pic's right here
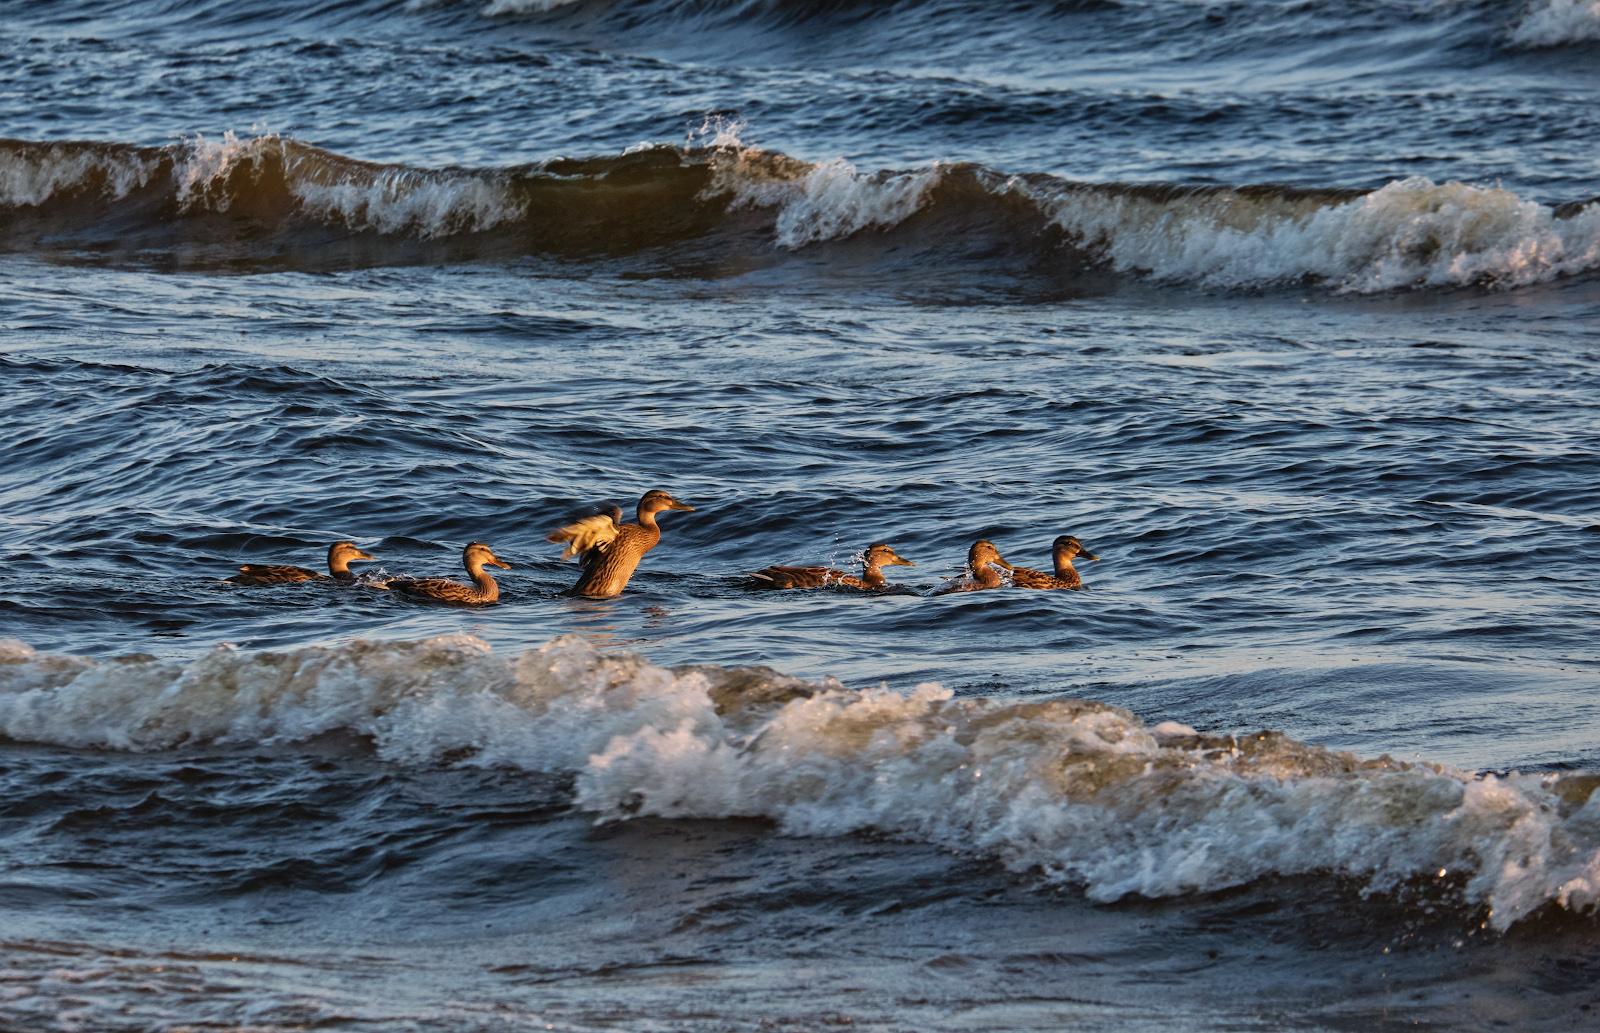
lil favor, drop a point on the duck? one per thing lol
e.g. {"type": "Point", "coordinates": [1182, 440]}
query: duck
{"type": "Point", "coordinates": [1062, 550]}
{"type": "Point", "coordinates": [878, 555]}
{"type": "Point", "coordinates": [340, 556]}
{"type": "Point", "coordinates": [982, 558]}
{"type": "Point", "coordinates": [610, 550]}
{"type": "Point", "coordinates": [481, 592]}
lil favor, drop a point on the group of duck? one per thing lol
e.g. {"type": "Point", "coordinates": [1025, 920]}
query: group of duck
{"type": "Point", "coordinates": [609, 551]}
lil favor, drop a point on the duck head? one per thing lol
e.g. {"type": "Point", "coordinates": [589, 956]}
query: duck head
{"type": "Point", "coordinates": [881, 555]}
{"type": "Point", "coordinates": [342, 554]}
{"type": "Point", "coordinates": [984, 553]}
{"type": "Point", "coordinates": [656, 500]}
{"type": "Point", "coordinates": [477, 555]}
{"type": "Point", "coordinates": [1066, 547]}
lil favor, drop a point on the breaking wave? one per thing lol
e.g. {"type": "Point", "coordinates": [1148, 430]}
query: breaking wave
{"type": "Point", "coordinates": [1081, 791]}
{"type": "Point", "coordinates": [276, 200]}
{"type": "Point", "coordinates": [1554, 23]}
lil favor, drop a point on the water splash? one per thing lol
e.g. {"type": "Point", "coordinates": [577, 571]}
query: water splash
{"type": "Point", "coordinates": [1081, 791]}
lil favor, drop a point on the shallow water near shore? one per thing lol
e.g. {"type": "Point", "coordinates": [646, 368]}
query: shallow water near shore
{"type": "Point", "coordinates": [1287, 312]}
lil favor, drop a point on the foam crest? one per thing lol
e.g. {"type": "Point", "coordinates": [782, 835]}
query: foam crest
{"type": "Point", "coordinates": [499, 7]}
{"type": "Point", "coordinates": [1409, 233]}
{"type": "Point", "coordinates": [1081, 791]}
{"type": "Point", "coordinates": [418, 701]}
{"type": "Point", "coordinates": [200, 175]}
{"type": "Point", "coordinates": [267, 177]}
{"type": "Point", "coordinates": [830, 200]}
{"type": "Point", "coordinates": [1554, 23]}
{"type": "Point", "coordinates": [328, 188]}
{"type": "Point", "coordinates": [1088, 795]}
{"type": "Point", "coordinates": [32, 176]}
{"type": "Point", "coordinates": [404, 200]}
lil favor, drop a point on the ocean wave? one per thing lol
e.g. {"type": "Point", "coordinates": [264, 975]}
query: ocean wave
{"type": "Point", "coordinates": [280, 196]}
{"type": "Point", "coordinates": [1554, 23]}
{"type": "Point", "coordinates": [499, 7]}
{"type": "Point", "coordinates": [1408, 233]}
{"type": "Point", "coordinates": [1081, 791]}
{"type": "Point", "coordinates": [830, 200]}
{"type": "Point", "coordinates": [33, 174]}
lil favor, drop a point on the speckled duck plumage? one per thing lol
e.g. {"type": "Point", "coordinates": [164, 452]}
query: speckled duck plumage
{"type": "Point", "coordinates": [877, 556]}
{"type": "Point", "coordinates": [610, 550]}
{"type": "Point", "coordinates": [481, 592]}
{"type": "Point", "coordinates": [980, 574]}
{"type": "Point", "coordinates": [1062, 550]}
{"type": "Point", "coordinates": [340, 556]}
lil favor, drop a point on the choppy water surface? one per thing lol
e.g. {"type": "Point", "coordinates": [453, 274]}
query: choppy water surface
{"type": "Point", "coordinates": [1288, 311]}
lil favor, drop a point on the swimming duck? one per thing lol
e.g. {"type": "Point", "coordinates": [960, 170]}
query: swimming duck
{"type": "Point", "coordinates": [981, 561]}
{"type": "Point", "coordinates": [340, 556]}
{"type": "Point", "coordinates": [1063, 549]}
{"type": "Point", "coordinates": [482, 591]}
{"type": "Point", "coordinates": [877, 556]}
{"type": "Point", "coordinates": [610, 549]}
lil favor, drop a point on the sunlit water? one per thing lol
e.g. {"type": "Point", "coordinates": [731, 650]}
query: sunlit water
{"type": "Point", "coordinates": [1287, 311]}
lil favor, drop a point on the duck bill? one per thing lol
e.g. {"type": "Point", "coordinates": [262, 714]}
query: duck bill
{"type": "Point", "coordinates": [683, 506]}
{"type": "Point", "coordinates": [898, 562]}
{"type": "Point", "coordinates": [1086, 554]}
{"type": "Point", "coordinates": [363, 556]}
{"type": "Point", "coordinates": [497, 562]}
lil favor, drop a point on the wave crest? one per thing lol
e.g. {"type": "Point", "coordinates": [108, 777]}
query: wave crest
{"type": "Point", "coordinates": [1408, 233]}
{"type": "Point", "coordinates": [830, 200]}
{"type": "Point", "coordinates": [1082, 791]}
{"type": "Point", "coordinates": [1555, 23]}
{"type": "Point", "coordinates": [271, 199]}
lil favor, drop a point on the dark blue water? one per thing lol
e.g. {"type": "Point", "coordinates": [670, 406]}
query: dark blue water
{"type": "Point", "coordinates": [1287, 311]}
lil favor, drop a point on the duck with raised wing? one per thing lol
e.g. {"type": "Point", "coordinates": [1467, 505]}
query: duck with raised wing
{"type": "Point", "coordinates": [877, 556]}
{"type": "Point", "coordinates": [1062, 550]}
{"type": "Point", "coordinates": [482, 591]}
{"type": "Point", "coordinates": [609, 549]}
{"type": "Point", "coordinates": [982, 559]}
{"type": "Point", "coordinates": [340, 556]}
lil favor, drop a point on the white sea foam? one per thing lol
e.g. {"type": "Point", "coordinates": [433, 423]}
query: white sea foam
{"type": "Point", "coordinates": [830, 200]}
{"type": "Point", "coordinates": [427, 204]}
{"type": "Point", "coordinates": [1080, 791]}
{"type": "Point", "coordinates": [498, 7]}
{"type": "Point", "coordinates": [1411, 232]}
{"type": "Point", "coordinates": [1553, 23]}
{"type": "Point", "coordinates": [361, 196]}
{"type": "Point", "coordinates": [200, 174]}
{"type": "Point", "coordinates": [32, 177]}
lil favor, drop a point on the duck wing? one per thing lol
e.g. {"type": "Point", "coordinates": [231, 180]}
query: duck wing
{"type": "Point", "coordinates": [795, 577]}
{"type": "Point", "coordinates": [272, 574]}
{"type": "Point", "coordinates": [589, 533]}
{"type": "Point", "coordinates": [1023, 577]}
{"type": "Point", "coordinates": [437, 589]}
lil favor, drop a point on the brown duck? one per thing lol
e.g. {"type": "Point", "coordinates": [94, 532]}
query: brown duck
{"type": "Point", "coordinates": [340, 556]}
{"type": "Point", "coordinates": [610, 549]}
{"type": "Point", "coordinates": [982, 558]}
{"type": "Point", "coordinates": [1063, 549]}
{"type": "Point", "coordinates": [876, 557]}
{"type": "Point", "coordinates": [482, 591]}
